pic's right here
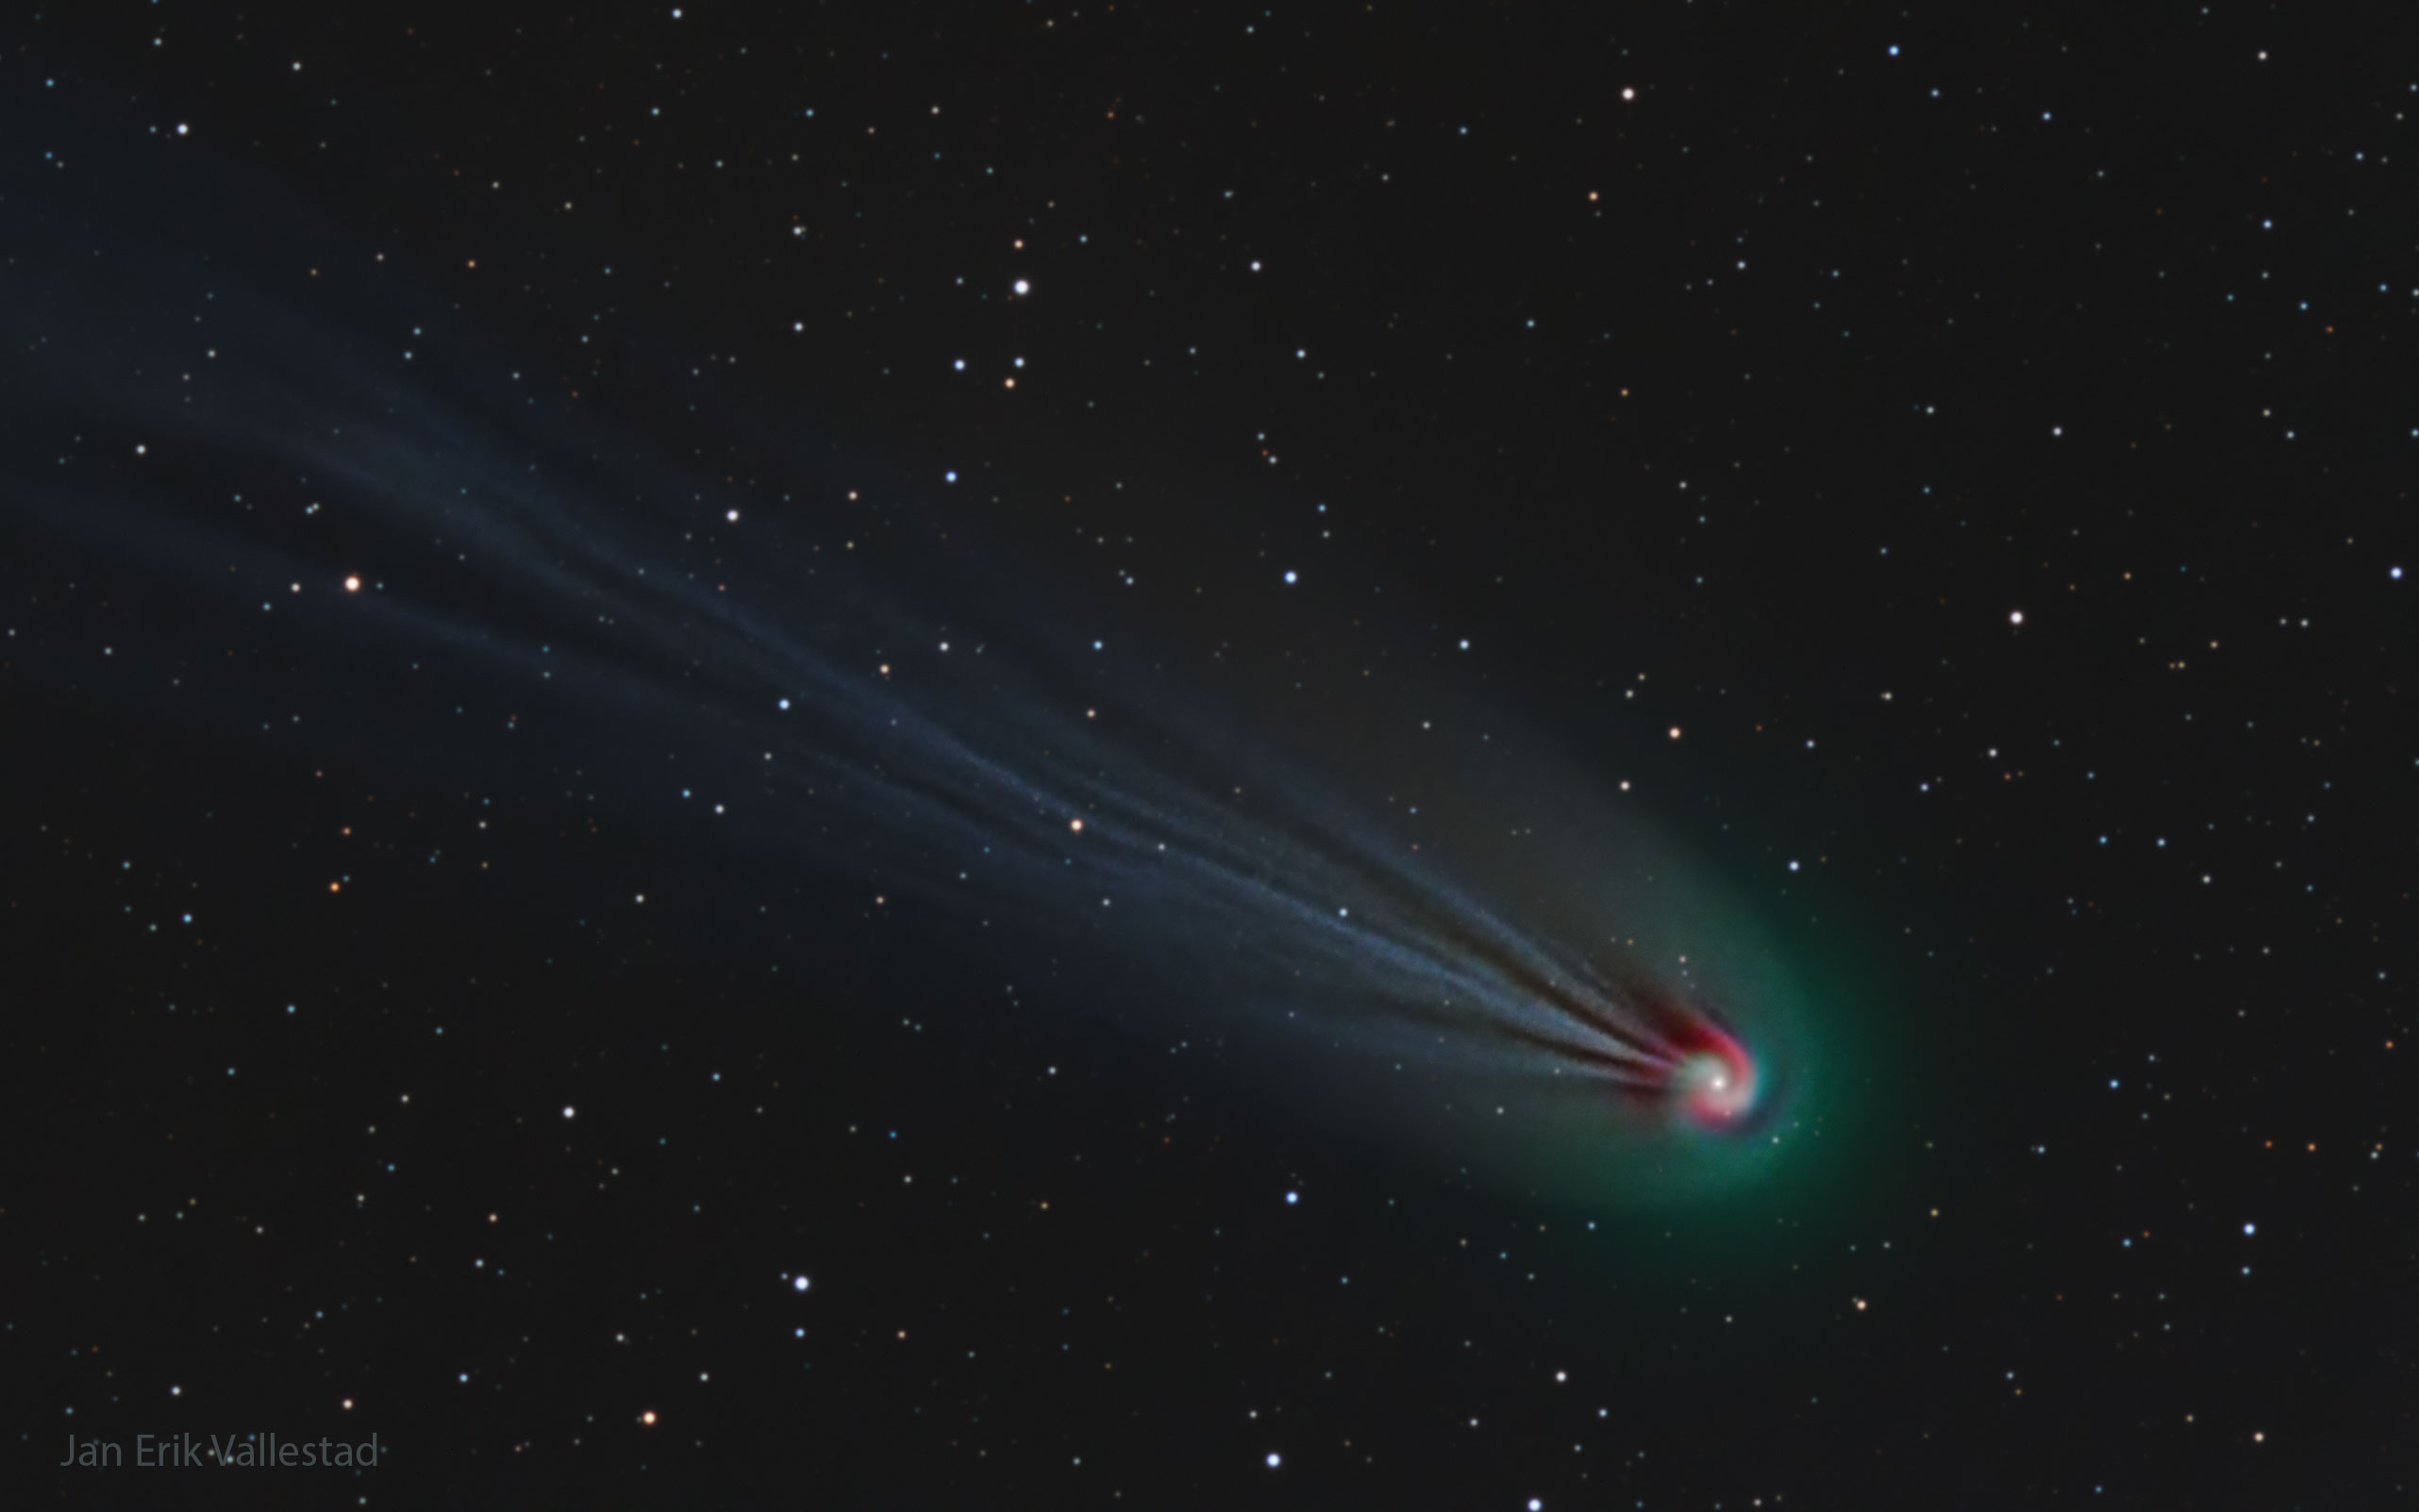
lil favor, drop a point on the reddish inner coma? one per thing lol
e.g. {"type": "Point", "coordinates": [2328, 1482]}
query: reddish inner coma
{"type": "Point", "coordinates": [1715, 1087]}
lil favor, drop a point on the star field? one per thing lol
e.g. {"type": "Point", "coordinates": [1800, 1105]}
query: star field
{"type": "Point", "coordinates": [997, 756]}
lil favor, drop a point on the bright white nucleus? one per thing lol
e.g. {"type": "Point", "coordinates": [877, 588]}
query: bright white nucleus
{"type": "Point", "coordinates": [1715, 1088]}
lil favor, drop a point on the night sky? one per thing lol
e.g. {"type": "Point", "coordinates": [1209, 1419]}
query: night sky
{"type": "Point", "coordinates": [867, 756]}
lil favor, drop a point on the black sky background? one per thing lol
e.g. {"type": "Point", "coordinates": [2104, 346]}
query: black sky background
{"type": "Point", "coordinates": [2113, 332]}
